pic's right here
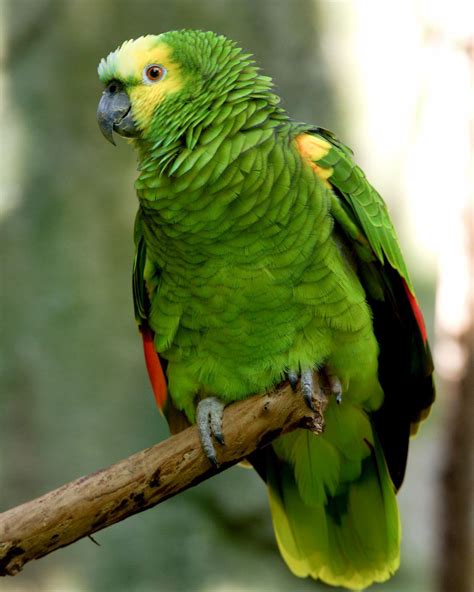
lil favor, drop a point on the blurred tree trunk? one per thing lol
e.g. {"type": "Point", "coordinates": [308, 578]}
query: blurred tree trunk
{"type": "Point", "coordinates": [455, 320]}
{"type": "Point", "coordinates": [457, 491]}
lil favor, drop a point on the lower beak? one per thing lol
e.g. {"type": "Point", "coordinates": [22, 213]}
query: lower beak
{"type": "Point", "coordinates": [114, 113]}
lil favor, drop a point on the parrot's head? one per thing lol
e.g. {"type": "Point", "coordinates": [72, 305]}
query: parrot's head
{"type": "Point", "coordinates": [157, 87]}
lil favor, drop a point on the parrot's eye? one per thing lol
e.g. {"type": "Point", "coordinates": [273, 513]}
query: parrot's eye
{"type": "Point", "coordinates": [153, 73]}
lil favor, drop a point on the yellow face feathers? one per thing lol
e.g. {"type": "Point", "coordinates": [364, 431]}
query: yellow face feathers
{"type": "Point", "coordinates": [172, 81]}
{"type": "Point", "coordinates": [146, 96]}
{"type": "Point", "coordinates": [128, 64]}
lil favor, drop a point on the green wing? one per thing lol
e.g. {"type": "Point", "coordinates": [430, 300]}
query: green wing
{"type": "Point", "coordinates": [156, 366]}
{"type": "Point", "coordinates": [363, 223]}
{"type": "Point", "coordinates": [367, 206]}
{"type": "Point", "coordinates": [141, 302]}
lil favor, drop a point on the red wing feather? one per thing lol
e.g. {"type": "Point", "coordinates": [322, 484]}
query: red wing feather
{"type": "Point", "coordinates": [153, 365]}
{"type": "Point", "coordinates": [416, 312]}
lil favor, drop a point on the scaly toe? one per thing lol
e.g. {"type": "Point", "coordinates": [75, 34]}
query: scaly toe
{"type": "Point", "coordinates": [307, 388]}
{"type": "Point", "coordinates": [209, 423]}
{"type": "Point", "coordinates": [292, 376]}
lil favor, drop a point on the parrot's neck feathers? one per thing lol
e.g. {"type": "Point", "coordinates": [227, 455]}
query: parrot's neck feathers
{"type": "Point", "coordinates": [171, 156]}
{"type": "Point", "coordinates": [249, 103]}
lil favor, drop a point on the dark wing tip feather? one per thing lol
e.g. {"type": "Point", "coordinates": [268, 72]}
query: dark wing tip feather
{"type": "Point", "coordinates": [405, 364]}
{"type": "Point", "coordinates": [141, 304]}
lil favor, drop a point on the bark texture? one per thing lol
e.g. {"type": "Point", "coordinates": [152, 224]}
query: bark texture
{"type": "Point", "coordinates": [145, 479]}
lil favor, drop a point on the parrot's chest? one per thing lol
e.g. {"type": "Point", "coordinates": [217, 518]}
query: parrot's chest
{"type": "Point", "coordinates": [226, 312]}
{"type": "Point", "coordinates": [248, 287]}
{"type": "Point", "coordinates": [234, 330]}
{"type": "Point", "coordinates": [238, 331]}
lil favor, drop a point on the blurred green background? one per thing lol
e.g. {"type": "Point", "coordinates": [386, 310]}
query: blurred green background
{"type": "Point", "coordinates": [75, 395]}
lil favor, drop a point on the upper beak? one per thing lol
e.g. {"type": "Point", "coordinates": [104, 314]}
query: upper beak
{"type": "Point", "coordinates": [114, 113]}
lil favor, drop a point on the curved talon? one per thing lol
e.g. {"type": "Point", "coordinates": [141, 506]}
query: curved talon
{"type": "Point", "coordinates": [311, 386]}
{"type": "Point", "coordinates": [292, 376]}
{"type": "Point", "coordinates": [215, 418]}
{"type": "Point", "coordinates": [307, 388]}
{"type": "Point", "coordinates": [209, 423]}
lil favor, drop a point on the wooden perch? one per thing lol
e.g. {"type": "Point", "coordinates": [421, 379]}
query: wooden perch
{"type": "Point", "coordinates": [145, 479]}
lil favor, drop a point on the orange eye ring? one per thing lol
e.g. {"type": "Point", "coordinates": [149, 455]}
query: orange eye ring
{"type": "Point", "coordinates": [153, 73]}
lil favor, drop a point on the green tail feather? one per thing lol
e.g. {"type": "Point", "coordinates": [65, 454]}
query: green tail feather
{"type": "Point", "coordinates": [334, 523]}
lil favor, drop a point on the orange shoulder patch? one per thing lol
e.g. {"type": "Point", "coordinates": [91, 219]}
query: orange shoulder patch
{"type": "Point", "coordinates": [312, 149]}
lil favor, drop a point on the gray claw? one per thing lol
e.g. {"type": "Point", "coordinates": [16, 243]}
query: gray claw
{"type": "Point", "coordinates": [293, 379]}
{"type": "Point", "coordinates": [213, 459]}
{"type": "Point", "coordinates": [215, 417]}
{"type": "Point", "coordinates": [307, 388]}
{"type": "Point", "coordinates": [209, 423]}
{"type": "Point", "coordinates": [311, 388]}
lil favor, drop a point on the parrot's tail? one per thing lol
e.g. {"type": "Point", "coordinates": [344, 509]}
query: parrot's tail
{"type": "Point", "coordinates": [333, 504]}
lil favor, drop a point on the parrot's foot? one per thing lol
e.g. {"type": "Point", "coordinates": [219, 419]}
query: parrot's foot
{"type": "Point", "coordinates": [293, 379]}
{"type": "Point", "coordinates": [309, 385]}
{"type": "Point", "coordinates": [209, 423]}
{"type": "Point", "coordinates": [314, 384]}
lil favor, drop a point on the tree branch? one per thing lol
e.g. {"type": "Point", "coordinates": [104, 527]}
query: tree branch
{"type": "Point", "coordinates": [147, 478]}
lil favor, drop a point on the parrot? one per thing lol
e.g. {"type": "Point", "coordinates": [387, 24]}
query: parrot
{"type": "Point", "coordinates": [263, 255]}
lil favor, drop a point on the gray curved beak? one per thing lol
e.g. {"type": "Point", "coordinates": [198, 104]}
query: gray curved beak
{"type": "Point", "coordinates": [114, 113]}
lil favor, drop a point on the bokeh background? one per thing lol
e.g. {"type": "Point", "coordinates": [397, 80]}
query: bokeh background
{"type": "Point", "coordinates": [393, 79]}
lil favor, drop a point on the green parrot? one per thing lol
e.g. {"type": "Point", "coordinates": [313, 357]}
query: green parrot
{"type": "Point", "coordinates": [264, 254]}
